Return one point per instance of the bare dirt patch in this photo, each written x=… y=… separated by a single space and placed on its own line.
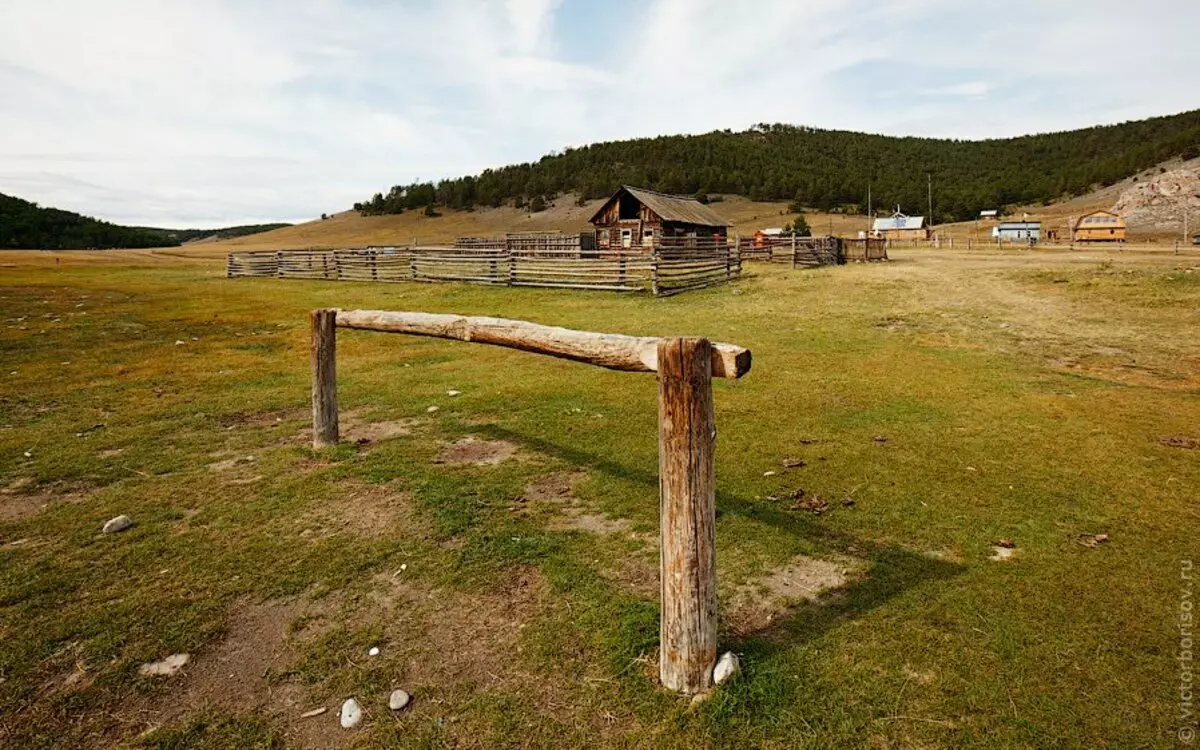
x=20 y=500
x=1179 y=441
x=370 y=511
x=235 y=674
x=757 y=603
x=558 y=490
x=475 y=452
x=355 y=428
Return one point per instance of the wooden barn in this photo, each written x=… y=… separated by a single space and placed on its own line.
x=1099 y=226
x=634 y=218
x=900 y=227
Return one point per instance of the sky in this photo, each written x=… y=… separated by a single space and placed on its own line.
x=207 y=113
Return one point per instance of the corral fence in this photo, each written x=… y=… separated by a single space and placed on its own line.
x=863 y=250
x=796 y=251
x=665 y=269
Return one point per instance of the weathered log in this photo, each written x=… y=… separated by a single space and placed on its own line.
x=613 y=351
x=687 y=504
x=324 y=377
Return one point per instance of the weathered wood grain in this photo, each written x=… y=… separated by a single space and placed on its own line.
x=324 y=377
x=612 y=351
x=687 y=490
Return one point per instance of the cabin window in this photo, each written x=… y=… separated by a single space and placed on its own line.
x=626 y=238
x=648 y=237
x=628 y=208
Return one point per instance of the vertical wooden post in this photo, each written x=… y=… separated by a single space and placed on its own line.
x=687 y=504
x=324 y=377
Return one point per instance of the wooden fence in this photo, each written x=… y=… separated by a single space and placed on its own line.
x=535 y=244
x=662 y=271
x=864 y=250
x=686 y=455
x=795 y=251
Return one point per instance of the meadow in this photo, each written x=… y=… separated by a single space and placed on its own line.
x=500 y=549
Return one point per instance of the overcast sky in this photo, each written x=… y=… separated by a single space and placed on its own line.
x=204 y=113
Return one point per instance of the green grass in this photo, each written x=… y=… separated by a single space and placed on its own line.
x=931 y=645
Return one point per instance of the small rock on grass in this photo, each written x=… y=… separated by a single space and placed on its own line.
x=351 y=714
x=727 y=668
x=168 y=667
x=399 y=700
x=1091 y=540
x=120 y=523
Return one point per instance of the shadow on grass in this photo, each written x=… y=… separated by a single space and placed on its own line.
x=891 y=570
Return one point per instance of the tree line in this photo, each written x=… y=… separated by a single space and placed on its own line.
x=828 y=170
x=26 y=225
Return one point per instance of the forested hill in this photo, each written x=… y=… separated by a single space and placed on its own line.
x=26 y=225
x=826 y=169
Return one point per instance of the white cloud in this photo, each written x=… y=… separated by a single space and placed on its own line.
x=211 y=112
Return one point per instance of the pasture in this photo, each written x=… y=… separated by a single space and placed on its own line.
x=500 y=550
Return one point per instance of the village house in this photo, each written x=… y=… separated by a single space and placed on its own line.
x=989 y=215
x=634 y=218
x=1099 y=226
x=763 y=236
x=1017 y=231
x=900 y=227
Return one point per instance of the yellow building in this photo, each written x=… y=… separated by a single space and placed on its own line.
x=1099 y=226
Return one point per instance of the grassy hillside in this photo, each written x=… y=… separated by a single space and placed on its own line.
x=827 y=168
x=29 y=226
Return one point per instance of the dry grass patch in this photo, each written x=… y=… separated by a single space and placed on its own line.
x=756 y=604
x=19 y=500
x=368 y=511
x=472 y=451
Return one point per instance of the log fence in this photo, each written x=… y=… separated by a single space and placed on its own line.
x=662 y=270
x=687 y=446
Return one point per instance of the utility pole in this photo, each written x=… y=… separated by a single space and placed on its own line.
x=929 y=176
x=870 y=215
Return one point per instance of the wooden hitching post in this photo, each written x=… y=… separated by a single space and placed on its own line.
x=687 y=504
x=324 y=377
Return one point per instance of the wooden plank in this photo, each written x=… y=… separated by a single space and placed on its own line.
x=613 y=351
x=323 y=324
x=687 y=492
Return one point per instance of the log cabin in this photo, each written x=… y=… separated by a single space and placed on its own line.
x=635 y=218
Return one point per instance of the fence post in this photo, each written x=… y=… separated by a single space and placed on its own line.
x=278 y=264
x=512 y=265
x=324 y=377
x=655 y=257
x=373 y=254
x=793 y=248
x=687 y=505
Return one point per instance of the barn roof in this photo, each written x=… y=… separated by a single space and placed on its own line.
x=670 y=208
x=898 y=221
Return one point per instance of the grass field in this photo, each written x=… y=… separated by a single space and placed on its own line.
x=501 y=551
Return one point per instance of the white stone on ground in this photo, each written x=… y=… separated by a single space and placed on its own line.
x=727 y=668
x=168 y=667
x=350 y=715
x=398 y=700
x=373 y=651
x=120 y=523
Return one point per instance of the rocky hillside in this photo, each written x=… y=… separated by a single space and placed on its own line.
x=1158 y=202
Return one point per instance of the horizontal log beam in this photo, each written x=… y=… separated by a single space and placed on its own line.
x=609 y=350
